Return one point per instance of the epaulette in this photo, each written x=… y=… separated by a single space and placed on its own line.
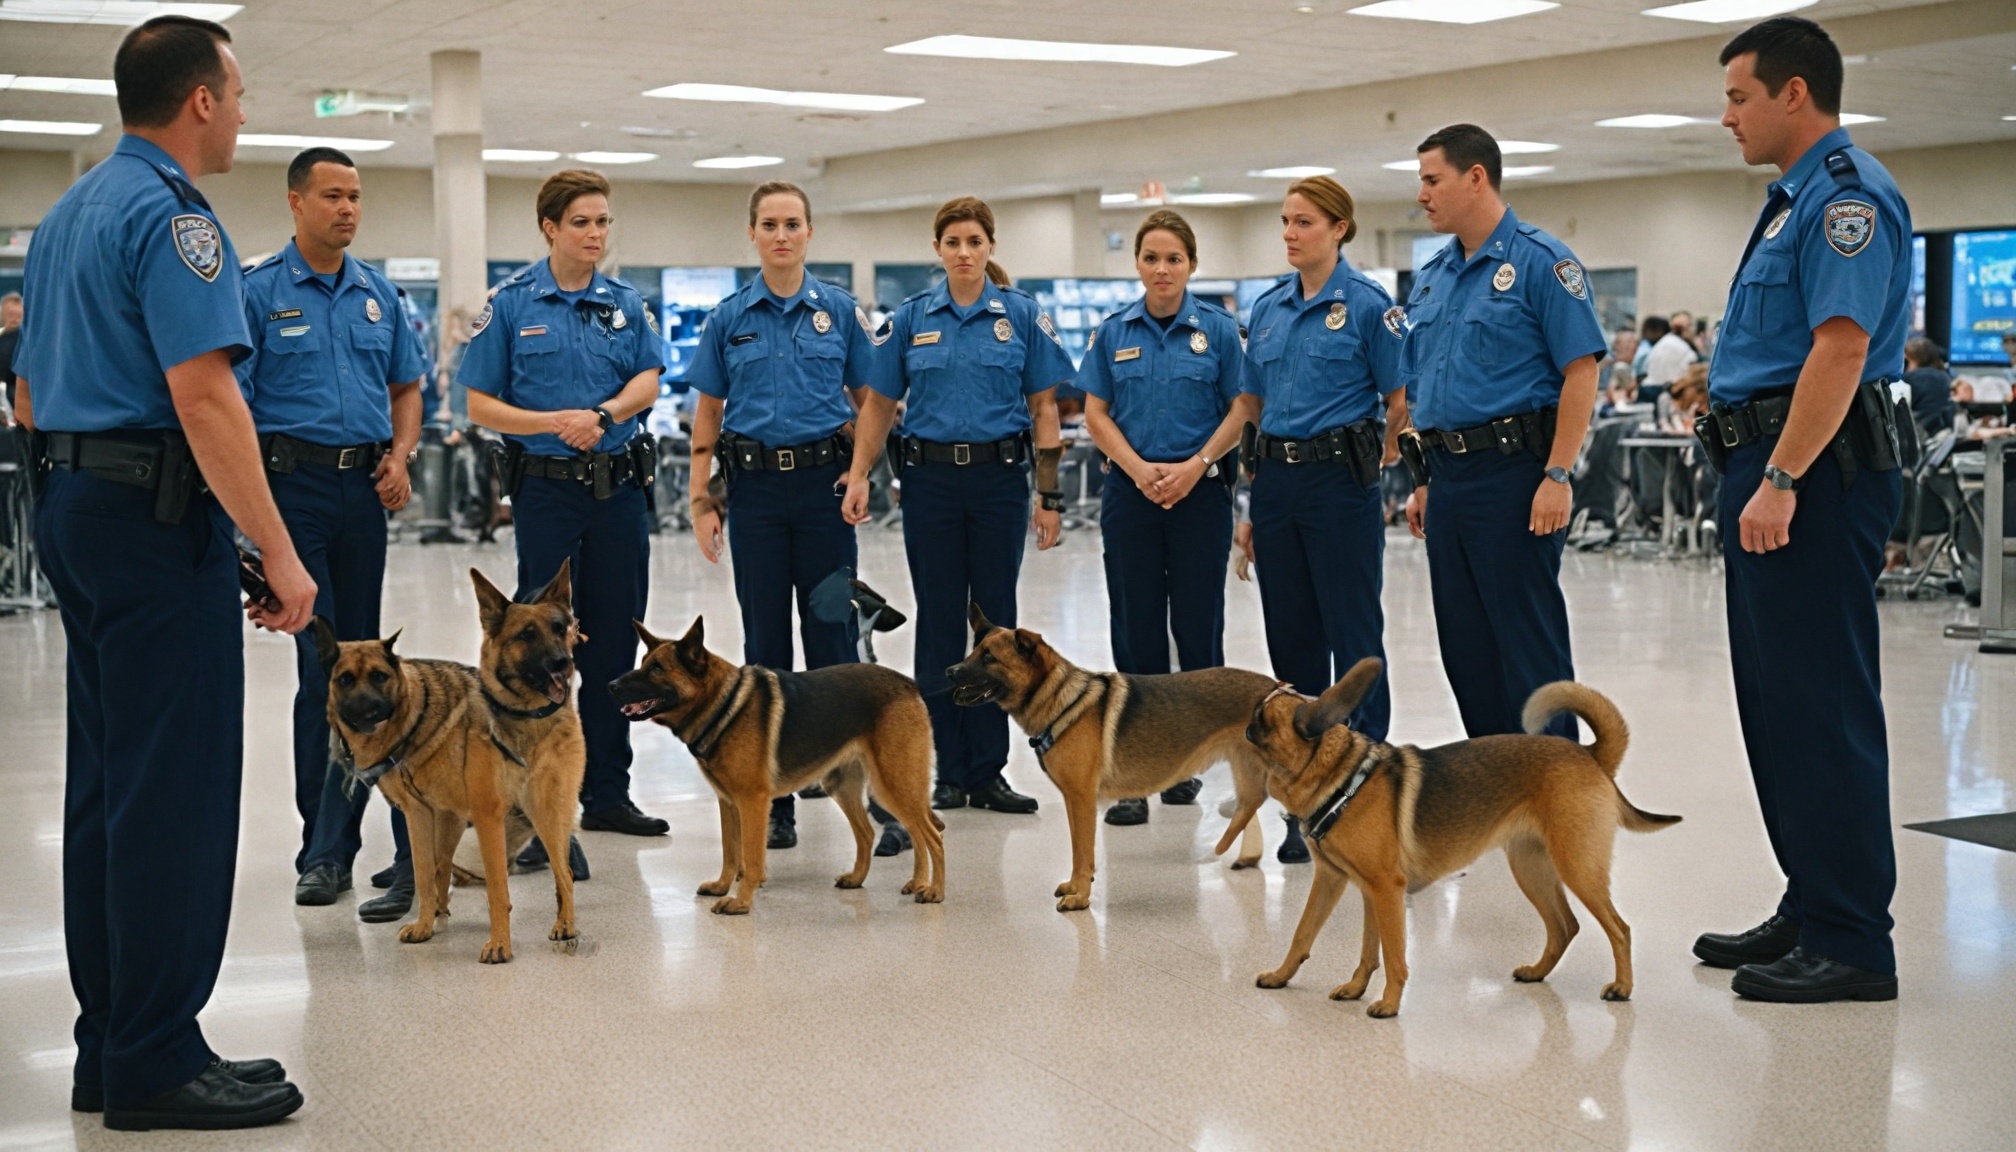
x=268 y=262
x=918 y=295
x=1841 y=167
x=1208 y=306
x=1012 y=290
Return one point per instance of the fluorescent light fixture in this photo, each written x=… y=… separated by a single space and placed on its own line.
x=736 y=94
x=281 y=140
x=1727 y=11
x=70 y=85
x=2010 y=118
x=615 y=157
x=520 y=155
x=119 y=13
x=1299 y=173
x=1850 y=119
x=1122 y=199
x=1057 y=51
x=738 y=162
x=1212 y=199
x=1524 y=147
x=52 y=127
x=1455 y=11
x=1528 y=169
x=1402 y=166
x=1652 y=120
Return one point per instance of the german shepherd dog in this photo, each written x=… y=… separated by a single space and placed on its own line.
x=758 y=733
x=1396 y=819
x=1111 y=735
x=430 y=735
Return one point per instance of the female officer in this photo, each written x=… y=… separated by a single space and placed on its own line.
x=1323 y=349
x=980 y=365
x=773 y=369
x=562 y=362
x=1162 y=401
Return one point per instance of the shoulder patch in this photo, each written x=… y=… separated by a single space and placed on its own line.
x=1049 y=329
x=1569 y=273
x=482 y=321
x=1396 y=321
x=876 y=338
x=199 y=243
x=651 y=320
x=1849 y=225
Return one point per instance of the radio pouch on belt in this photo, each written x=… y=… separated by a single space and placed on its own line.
x=1362 y=440
x=601 y=474
x=1875 y=435
x=644 y=462
x=1707 y=431
x=1414 y=454
x=278 y=454
x=179 y=479
x=1249 y=437
x=509 y=457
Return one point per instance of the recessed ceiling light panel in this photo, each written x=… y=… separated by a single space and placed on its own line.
x=1850 y=119
x=737 y=94
x=520 y=155
x=119 y=13
x=1402 y=166
x=69 y=85
x=51 y=127
x=1524 y=147
x=1652 y=120
x=1727 y=11
x=281 y=140
x=1056 y=51
x=1303 y=172
x=615 y=157
x=1518 y=170
x=1212 y=199
x=738 y=162
x=1454 y=11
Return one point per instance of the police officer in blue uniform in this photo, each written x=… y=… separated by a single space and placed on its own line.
x=1500 y=366
x=1801 y=421
x=334 y=385
x=979 y=364
x=563 y=362
x=774 y=369
x=125 y=375
x=1322 y=355
x=1162 y=401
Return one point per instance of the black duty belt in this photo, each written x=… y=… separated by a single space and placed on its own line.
x=1355 y=446
x=1760 y=419
x=1013 y=450
x=1868 y=435
x=753 y=456
x=123 y=458
x=1533 y=431
x=582 y=469
x=283 y=452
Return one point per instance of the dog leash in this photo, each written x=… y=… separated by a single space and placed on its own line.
x=1045 y=740
x=370 y=776
x=1327 y=813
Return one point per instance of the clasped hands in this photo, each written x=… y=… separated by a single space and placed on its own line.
x=1167 y=484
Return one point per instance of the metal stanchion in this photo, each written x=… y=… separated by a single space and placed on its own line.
x=21 y=585
x=1997 y=630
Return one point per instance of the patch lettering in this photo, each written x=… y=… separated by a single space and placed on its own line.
x=284 y=314
x=744 y=338
x=200 y=245
x=1849 y=224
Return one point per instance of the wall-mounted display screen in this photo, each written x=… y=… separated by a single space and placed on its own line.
x=1078 y=306
x=689 y=294
x=1984 y=296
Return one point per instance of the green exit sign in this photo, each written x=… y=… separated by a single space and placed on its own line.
x=330 y=104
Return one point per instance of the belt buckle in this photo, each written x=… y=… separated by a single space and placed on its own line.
x=787 y=460
x=1452 y=442
x=346 y=459
x=1291 y=451
x=962 y=454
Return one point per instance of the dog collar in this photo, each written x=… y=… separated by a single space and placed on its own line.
x=369 y=777
x=522 y=713
x=1327 y=813
x=708 y=736
x=1045 y=740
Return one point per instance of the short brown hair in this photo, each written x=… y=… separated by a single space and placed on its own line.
x=565 y=187
x=960 y=209
x=1163 y=220
x=1467 y=146
x=777 y=188
x=161 y=62
x=1328 y=197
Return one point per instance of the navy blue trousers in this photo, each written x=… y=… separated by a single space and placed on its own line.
x=609 y=544
x=1499 y=614
x=1319 y=547
x=338 y=527
x=1165 y=575
x=963 y=530
x=152 y=773
x=1809 y=690
x=785 y=535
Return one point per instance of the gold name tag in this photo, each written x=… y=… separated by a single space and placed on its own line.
x=536 y=330
x=925 y=338
x=1123 y=354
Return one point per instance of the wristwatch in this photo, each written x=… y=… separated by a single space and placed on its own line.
x=603 y=415
x=1052 y=501
x=1558 y=474
x=1780 y=479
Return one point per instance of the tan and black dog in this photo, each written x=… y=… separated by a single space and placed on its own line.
x=758 y=733
x=1109 y=735
x=1396 y=819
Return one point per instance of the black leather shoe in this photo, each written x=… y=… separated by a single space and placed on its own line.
x=996 y=796
x=383 y=878
x=1127 y=813
x=1802 y=977
x=895 y=839
x=534 y=857
x=214 y=1100
x=1184 y=793
x=397 y=901
x=1764 y=944
x=624 y=818
x=783 y=833
x=320 y=886
x=1293 y=850
x=946 y=796
x=91 y=1098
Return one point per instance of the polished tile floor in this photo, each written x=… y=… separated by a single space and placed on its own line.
x=859 y=1019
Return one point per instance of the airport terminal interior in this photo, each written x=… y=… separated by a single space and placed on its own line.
x=830 y=1017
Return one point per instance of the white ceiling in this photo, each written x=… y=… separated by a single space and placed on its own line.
x=570 y=77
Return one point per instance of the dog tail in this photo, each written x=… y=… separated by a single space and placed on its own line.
x=1595 y=710
x=1632 y=818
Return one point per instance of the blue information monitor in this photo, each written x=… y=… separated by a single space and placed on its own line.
x=1984 y=296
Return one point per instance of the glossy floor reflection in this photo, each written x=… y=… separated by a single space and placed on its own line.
x=859 y=1019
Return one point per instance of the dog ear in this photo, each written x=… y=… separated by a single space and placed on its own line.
x=692 y=647
x=491 y=604
x=388 y=642
x=978 y=619
x=1339 y=700
x=326 y=650
x=1027 y=643
x=644 y=634
x=560 y=589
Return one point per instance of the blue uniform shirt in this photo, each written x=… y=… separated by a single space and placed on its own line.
x=130 y=274
x=536 y=349
x=1833 y=240
x=1490 y=336
x=1323 y=362
x=969 y=371
x=325 y=357
x=783 y=365
x=1169 y=389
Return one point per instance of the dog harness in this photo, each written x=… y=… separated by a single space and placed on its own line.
x=1045 y=740
x=369 y=777
x=1327 y=813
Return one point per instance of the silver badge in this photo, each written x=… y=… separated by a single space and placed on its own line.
x=1850 y=224
x=199 y=244
x=1335 y=320
x=1003 y=331
x=821 y=322
x=371 y=310
x=995 y=305
x=618 y=321
x=1778 y=223
x=1569 y=273
x=1199 y=343
x=1396 y=321
x=1504 y=278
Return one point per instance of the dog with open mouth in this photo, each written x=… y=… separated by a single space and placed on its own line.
x=1395 y=819
x=757 y=733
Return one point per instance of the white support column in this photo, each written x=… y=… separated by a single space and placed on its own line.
x=459 y=194
x=1088 y=234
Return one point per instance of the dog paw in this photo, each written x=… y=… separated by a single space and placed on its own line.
x=1274 y=979
x=1350 y=990
x=562 y=930
x=415 y=934
x=714 y=888
x=1074 y=903
x=1381 y=1010
x=1528 y=974
x=1245 y=862
x=931 y=894
x=731 y=906
x=1065 y=889
x=910 y=886
x=1617 y=991
x=497 y=952
x=847 y=880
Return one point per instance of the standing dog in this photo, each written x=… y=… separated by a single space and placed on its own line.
x=758 y=733
x=1394 y=820
x=1110 y=734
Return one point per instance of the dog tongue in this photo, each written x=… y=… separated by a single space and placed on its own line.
x=556 y=689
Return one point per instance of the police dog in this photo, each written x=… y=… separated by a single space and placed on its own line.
x=758 y=733
x=1112 y=735
x=1396 y=819
x=426 y=734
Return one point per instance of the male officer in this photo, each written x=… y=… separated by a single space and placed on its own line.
x=1500 y=367
x=126 y=372
x=1815 y=328
x=334 y=385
